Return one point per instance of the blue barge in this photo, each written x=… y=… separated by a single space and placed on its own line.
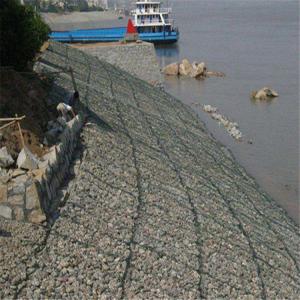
x=111 y=35
x=150 y=22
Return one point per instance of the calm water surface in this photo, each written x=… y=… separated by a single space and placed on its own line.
x=256 y=44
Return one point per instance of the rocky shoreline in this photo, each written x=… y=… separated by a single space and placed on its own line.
x=157 y=209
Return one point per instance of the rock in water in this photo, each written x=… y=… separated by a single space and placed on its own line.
x=185 y=68
x=26 y=160
x=172 y=69
x=5 y=158
x=210 y=109
x=264 y=94
x=214 y=73
x=198 y=70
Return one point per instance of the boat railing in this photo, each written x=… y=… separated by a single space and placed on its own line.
x=151 y=11
x=154 y=21
x=148 y=1
x=165 y=10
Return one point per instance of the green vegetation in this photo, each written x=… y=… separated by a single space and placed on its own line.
x=22 y=33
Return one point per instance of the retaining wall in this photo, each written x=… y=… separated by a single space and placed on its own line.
x=138 y=59
x=28 y=195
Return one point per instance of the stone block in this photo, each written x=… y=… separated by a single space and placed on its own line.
x=43 y=164
x=5 y=212
x=16 y=188
x=4 y=178
x=22 y=179
x=172 y=69
x=3 y=193
x=26 y=160
x=18 y=172
x=28 y=182
x=19 y=213
x=16 y=199
x=33 y=196
x=36 y=216
x=5 y=158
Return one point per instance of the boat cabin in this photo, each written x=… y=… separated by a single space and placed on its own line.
x=150 y=17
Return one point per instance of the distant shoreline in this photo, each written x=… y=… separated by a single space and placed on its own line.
x=83 y=20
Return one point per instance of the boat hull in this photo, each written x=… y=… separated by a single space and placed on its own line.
x=110 y=35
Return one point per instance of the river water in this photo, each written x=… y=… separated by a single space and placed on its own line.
x=256 y=44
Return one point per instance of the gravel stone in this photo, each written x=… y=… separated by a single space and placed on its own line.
x=157 y=210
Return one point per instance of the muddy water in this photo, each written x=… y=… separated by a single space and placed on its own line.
x=255 y=43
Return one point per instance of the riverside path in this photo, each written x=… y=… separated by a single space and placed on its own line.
x=157 y=209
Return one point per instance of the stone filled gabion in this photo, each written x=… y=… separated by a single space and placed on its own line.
x=158 y=209
x=138 y=59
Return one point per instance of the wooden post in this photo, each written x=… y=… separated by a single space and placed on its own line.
x=20 y=131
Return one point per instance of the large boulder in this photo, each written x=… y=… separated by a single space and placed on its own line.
x=198 y=70
x=172 y=69
x=5 y=158
x=264 y=94
x=185 y=67
x=26 y=160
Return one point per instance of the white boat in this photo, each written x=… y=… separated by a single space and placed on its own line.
x=153 y=22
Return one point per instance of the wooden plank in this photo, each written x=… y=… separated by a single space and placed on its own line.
x=21 y=134
x=8 y=124
x=11 y=119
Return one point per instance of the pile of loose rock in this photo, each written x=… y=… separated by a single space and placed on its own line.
x=194 y=70
x=231 y=127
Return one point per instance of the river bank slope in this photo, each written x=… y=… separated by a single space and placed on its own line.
x=158 y=209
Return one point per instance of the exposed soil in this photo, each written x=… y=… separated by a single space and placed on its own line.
x=24 y=94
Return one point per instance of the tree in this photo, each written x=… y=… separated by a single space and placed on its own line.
x=22 y=33
x=83 y=6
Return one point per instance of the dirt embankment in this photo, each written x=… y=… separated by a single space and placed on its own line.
x=24 y=94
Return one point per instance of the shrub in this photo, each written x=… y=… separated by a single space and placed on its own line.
x=22 y=33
